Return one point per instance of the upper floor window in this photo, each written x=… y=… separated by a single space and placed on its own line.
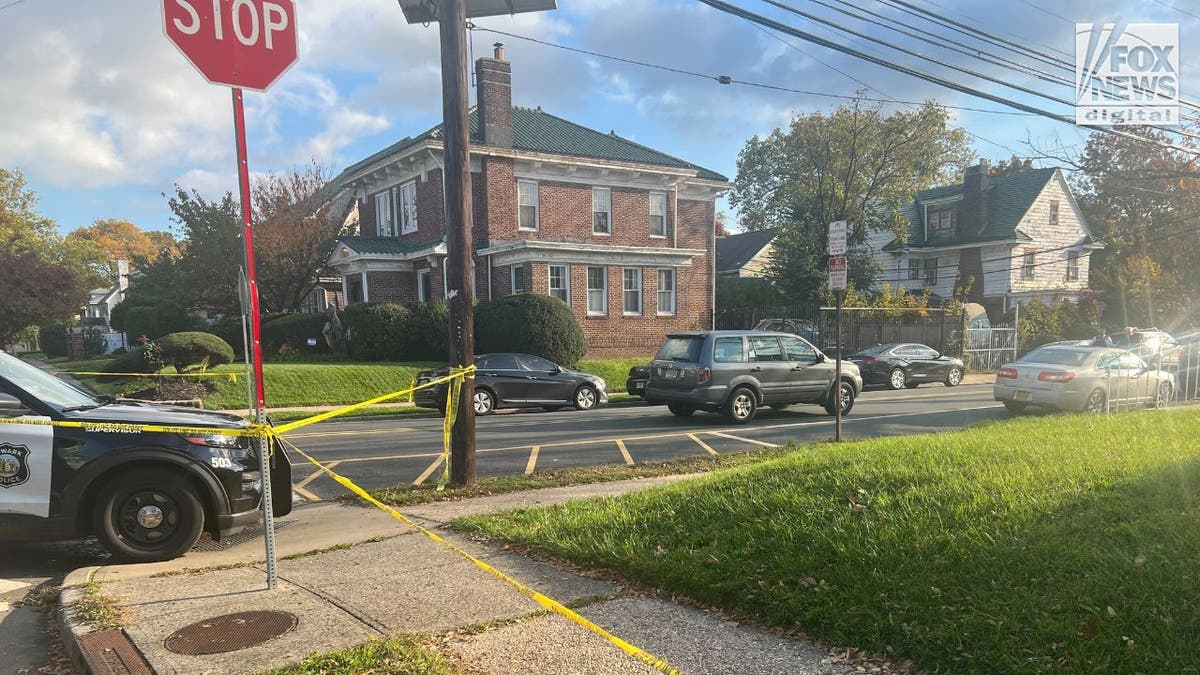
x=601 y=211
x=1028 y=263
x=383 y=215
x=527 y=205
x=406 y=207
x=931 y=270
x=914 y=269
x=942 y=221
x=1053 y=211
x=1072 y=265
x=658 y=214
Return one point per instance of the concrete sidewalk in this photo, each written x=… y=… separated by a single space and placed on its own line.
x=395 y=580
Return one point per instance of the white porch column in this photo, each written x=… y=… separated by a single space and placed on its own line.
x=366 y=293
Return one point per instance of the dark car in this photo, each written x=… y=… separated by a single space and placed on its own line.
x=901 y=365
x=83 y=465
x=635 y=383
x=737 y=372
x=519 y=381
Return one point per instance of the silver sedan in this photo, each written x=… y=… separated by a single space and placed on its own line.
x=1090 y=379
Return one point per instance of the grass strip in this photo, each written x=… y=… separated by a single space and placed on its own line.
x=391 y=656
x=1064 y=543
x=96 y=609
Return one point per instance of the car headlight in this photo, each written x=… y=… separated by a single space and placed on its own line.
x=598 y=381
x=217 y=441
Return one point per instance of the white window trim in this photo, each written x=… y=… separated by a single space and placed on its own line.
x=674 y=291
x=406 y=225
x=566 y=281
x=640 y=288
x=383 y=217
x=537 y=206
x=428 y=274
x=665 y=203
x=604 y=289
x=512 y=279
x=609 y=212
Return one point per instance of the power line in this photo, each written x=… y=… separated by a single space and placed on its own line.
x=1177 y=9
x=969 y=17
x=725 y=79
x=14 y=3
x=949 y=84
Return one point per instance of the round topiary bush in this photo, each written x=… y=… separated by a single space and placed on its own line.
x=194 y=348
x=378 y=331
x=530 y=323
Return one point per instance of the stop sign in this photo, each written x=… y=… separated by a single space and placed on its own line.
x=240 y=43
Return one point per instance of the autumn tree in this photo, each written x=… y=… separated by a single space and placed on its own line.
x=856 y=164
x=1015 y=164
x=121 y=239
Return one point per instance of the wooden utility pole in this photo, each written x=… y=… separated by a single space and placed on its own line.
x=452 y=22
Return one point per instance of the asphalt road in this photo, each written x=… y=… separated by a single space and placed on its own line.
x=378 y=454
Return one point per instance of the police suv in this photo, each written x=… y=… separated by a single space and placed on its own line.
x=145 y=495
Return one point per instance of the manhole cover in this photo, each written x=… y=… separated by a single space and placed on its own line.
x=230 y=632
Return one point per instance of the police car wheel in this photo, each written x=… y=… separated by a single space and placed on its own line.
x=148 y=515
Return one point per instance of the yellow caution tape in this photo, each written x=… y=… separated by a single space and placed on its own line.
x=232 y=376
x=452 y=394
x=541 y=599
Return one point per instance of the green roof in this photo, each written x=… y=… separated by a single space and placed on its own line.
x=537 y=131
x=1009 y=199
x=386 y=245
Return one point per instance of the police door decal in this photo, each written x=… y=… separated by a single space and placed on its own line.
x=26 y=451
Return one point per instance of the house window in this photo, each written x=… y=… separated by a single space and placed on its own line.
x=424 y=286
x=931 y=269
x=354 y=288
x=383 y=215
x=914 y=269
x=941 y=221
x=518 y=279
x=1053 y=211
x=560 y=283
x=1072 y=265
x=527 y=204
x=658 y=214
x=597 y=291
x=601 y=211
x=633 y=290
x=406 y=207
x=666 y=291
x=1028 y=263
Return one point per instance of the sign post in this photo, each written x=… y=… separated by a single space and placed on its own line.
x=241 y=44
x=837 y=283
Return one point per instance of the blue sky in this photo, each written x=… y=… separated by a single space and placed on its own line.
x=103 y=115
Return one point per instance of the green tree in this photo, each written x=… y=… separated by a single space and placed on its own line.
x=855 y=164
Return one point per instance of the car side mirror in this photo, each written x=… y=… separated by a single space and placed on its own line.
x=11 y=404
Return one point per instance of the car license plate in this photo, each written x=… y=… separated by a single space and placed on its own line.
x=638 y=384
x=671 y=373
x=1022 y=396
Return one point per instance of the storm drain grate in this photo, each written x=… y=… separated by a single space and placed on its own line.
x=109 y=652
x=230 y=632
x=207 y=543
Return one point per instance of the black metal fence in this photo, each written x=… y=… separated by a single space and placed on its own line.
x=863 y=327
x=748 y=318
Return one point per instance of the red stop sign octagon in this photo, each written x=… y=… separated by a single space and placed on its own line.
x=240 y=43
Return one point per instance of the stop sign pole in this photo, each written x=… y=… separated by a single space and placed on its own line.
x=241 y=44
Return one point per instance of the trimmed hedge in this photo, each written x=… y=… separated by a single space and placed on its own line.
x=53 y=340
x=378 y=331
x=289 y=333
x=531 y=323
x=130 y=362
x=193 y=348
x=428 y=329
x=151 y=321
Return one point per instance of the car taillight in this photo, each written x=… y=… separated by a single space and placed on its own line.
x=702 y=375
x=1007 y=373
x=870 y=361
x=1058 y=376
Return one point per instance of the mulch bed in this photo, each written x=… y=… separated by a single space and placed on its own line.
x=172 y=391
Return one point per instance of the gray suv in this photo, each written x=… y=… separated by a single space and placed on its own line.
x=736 y=372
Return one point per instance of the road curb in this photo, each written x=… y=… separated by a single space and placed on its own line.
x=69 y=630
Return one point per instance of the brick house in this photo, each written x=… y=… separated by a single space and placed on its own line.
x=1017 y=237
x=622 y=233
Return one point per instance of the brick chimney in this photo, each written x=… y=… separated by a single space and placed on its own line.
x=973 y=209
x=493 y=82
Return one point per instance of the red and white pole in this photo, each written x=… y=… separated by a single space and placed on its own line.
x=255 y=346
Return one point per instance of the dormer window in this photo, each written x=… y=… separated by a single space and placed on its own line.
x=941 y=221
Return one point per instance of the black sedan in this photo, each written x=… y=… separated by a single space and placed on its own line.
x=519 y=381
x=901 y=365
x=635 y=383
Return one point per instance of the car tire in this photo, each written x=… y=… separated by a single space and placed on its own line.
x=897 y=379
x=1095 y=402
x=586 y=397
x=741 y=406
x=780 y=406
x=552 y=408
x=911 y=385
x=1014 y=408
x=954 y=377
x=847 y=394
x=484 y=402
x=680 y=409
x=148 y=515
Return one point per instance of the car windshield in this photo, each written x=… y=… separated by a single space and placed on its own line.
x=681 y=349
x=42 y=385
x=1057 y=357
x=874 y=351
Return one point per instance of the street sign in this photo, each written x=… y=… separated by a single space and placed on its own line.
x=239 y=43
x=837 y=237
x=837 y=273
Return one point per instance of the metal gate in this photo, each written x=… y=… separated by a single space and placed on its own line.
x=986 y=349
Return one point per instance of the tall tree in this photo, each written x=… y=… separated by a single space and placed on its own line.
x=121 y=239
x=856 y=164
x=1015 y=164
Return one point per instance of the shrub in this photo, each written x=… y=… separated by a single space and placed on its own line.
x=378 y=331
x=53 y=340
x=229 y=329
x=131 y=362
x=194 y=348
x=290 y=333
x=152 y=321
x=531 y=323
x=94 y=343
x=428 y=331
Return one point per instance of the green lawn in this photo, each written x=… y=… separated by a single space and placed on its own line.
x=1046 y=544
x=613 y=371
